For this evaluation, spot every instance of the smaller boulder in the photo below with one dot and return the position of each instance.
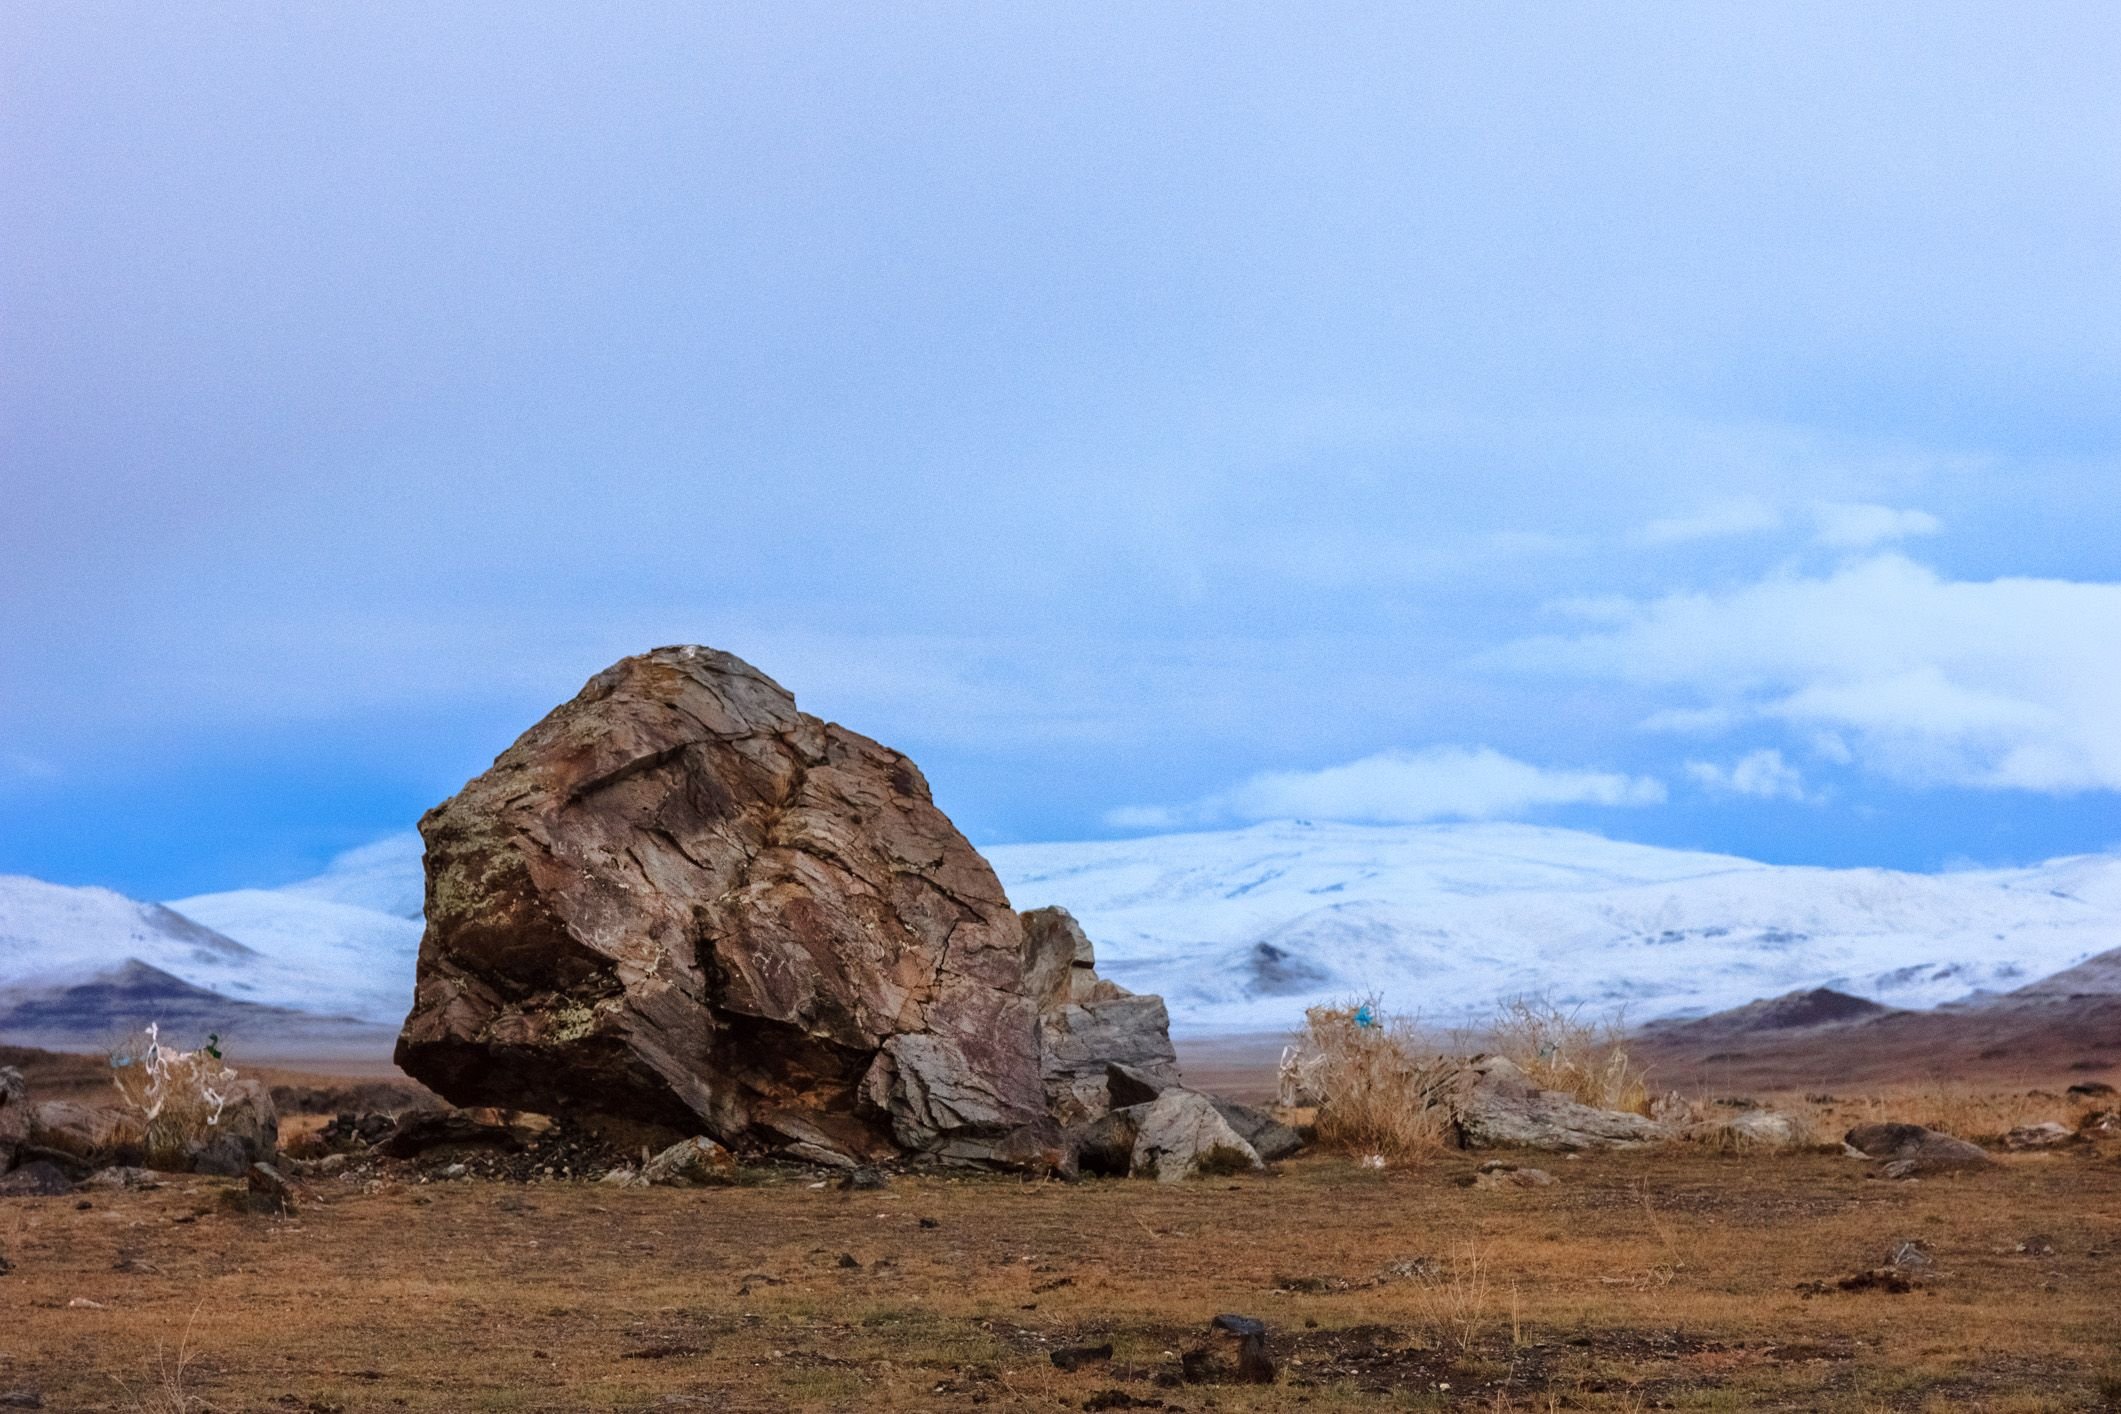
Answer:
(1909, 1150)
(1498, 1107)
(85, 1136)
(13, 1088)
(1268, 1136)
(247, 1133)
(1131, 1085)
(1183, 1136)
(1497, 1175)
(2038, 1136)
(1038, 1148)
(39, 1178)
(2090, 1090)
(691, 1163)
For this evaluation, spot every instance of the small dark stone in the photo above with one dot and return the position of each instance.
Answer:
(21, 1399)
(1074, 1357)
(930, 1223)
(863, 1178)
(848, 1262)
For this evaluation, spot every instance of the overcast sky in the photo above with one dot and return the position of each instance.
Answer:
(1695, 423)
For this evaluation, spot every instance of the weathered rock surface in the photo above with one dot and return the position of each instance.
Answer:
(2046, 1135)
(1183, 1135)
(1268, 1136)
(247, 1134)
(680, 900)
(1911, 1150)
(81, 1137)
(1499, 1108)
(1749, 1129)
(691, 1163)
(1087, 1025)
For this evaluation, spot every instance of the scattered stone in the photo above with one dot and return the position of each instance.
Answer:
(1911, 1255)
(82, 1303)
(2100, 1123)
(1884, 1279)
(5, 1265)
(2038, 1136)
(1071, 1358)
(266, 1192)
(930, 1224)
(39, 1178)
(1510, 1176)
(13, 1088)
(120, 1176)
(1498, 1107)
(863, 1179)
(1911, 1150)
(1244, 1340)
(2036, 1246)
(349, 1132)
(849, 1262)
(2090, 1089)
(691, 1163)
(1119, 1399)
(1183, 1135)
(21, 1399)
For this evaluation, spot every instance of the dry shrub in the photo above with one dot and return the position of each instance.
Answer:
(1458, 1300)
(1557, 1050)
(1981, 1117)
(180, 1094)
(1380, 1089)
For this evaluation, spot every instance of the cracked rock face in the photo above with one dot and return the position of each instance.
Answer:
(680, 901)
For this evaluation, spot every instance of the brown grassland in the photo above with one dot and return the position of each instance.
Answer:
(1669, 1278)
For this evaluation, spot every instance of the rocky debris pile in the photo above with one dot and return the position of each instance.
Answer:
(681, 902)
(1171, 1133)
(76, 1140)
(1910, 1151)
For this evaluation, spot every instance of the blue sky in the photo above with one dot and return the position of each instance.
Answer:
(1692, 423)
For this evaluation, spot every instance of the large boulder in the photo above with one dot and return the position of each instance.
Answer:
(679, 900)
(1182, 1134)
(1498, 1107)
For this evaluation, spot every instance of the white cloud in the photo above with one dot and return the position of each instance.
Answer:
(1402, 787)
(2008, 683)
(1716, 522)
(1759, 773)
(1844, 525)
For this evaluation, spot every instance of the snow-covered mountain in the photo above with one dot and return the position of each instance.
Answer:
(1242, 929)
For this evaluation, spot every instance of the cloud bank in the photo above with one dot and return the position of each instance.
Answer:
(1999, 684)
(1401, 787)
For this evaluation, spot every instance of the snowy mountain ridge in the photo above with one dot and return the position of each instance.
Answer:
(1242, 929)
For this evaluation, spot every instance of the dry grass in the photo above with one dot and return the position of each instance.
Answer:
(1654, 1279)
(1381, 1088)
(177, 1093)
(1558, 1050)
(1980, 1116)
